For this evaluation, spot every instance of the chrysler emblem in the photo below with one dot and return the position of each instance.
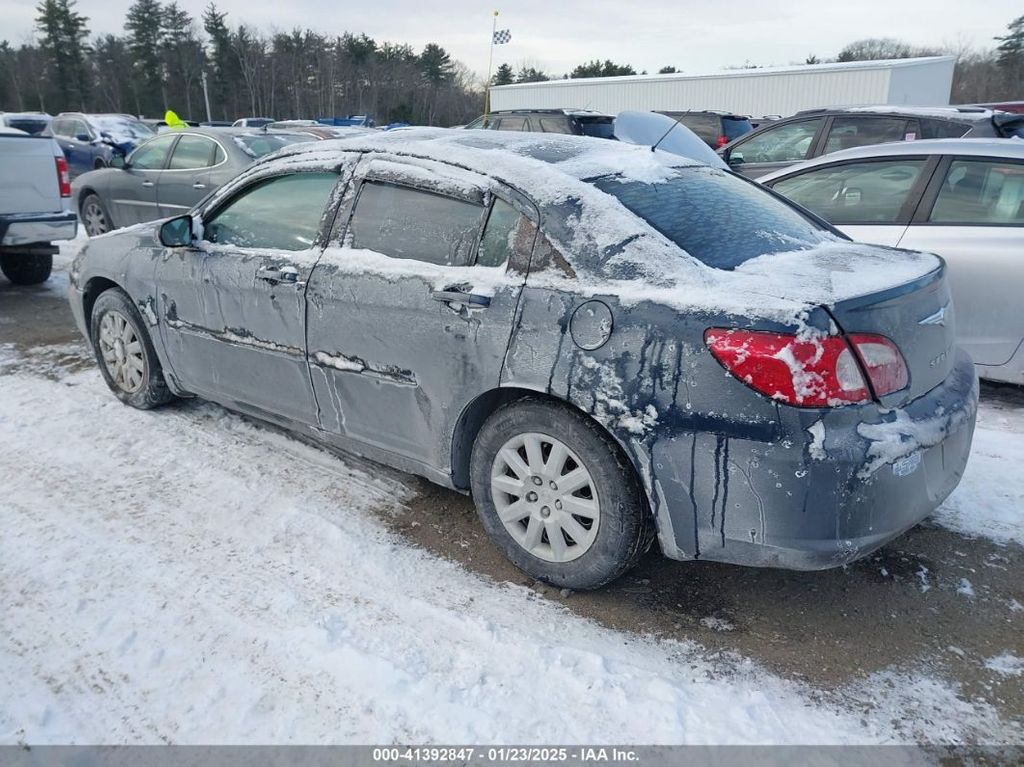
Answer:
(939, 318)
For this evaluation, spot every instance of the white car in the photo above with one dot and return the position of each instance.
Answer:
(962, 199)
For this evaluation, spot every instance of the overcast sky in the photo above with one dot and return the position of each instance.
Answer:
(555, 35)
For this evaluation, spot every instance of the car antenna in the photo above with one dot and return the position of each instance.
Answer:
(671, 128)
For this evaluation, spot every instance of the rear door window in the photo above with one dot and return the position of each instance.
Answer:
(60, 127)
(512, 123)
(403, 222)
(981, 193)
(780, 143)
(849, 132)
(282, 213)
(496, 243)
(192, 152)
(943, 129)
(855, 193)
(554, 125)
(598, 127)
(705, 126)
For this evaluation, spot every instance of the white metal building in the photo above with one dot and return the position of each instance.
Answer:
(768, 91)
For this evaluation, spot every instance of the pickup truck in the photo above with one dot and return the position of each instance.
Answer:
(35, 205)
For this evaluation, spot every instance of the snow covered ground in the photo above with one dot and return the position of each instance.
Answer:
(185, 576)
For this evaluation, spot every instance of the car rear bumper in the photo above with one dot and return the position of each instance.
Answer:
(29, 228)
(836, 486)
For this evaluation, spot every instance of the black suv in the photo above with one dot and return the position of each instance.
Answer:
(579, 122)
(816, 132)
(715, 128)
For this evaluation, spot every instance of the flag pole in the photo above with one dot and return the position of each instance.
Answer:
(490, 64)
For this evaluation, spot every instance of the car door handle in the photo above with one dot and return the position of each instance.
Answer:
(471, 300)
(147, 183)
(198, 185)
(287, 274)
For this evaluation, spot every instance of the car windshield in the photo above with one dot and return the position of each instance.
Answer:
(257, 145)
(715, 216)
(122, 130)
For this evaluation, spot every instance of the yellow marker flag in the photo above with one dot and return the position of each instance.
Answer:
(173, 121)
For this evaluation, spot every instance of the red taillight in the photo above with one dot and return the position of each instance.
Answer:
(63, 177)
(811, 372)
(722, 141)
(883, 362)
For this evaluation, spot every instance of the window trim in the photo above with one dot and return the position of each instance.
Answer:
(910, 206)
(931, 194)
(324, 229)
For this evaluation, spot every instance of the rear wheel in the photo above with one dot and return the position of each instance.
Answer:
(558, 496)
(125, 352)
(99, 164)
(94, 216)
(26, 268)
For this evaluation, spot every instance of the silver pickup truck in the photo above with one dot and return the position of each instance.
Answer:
(35, 205)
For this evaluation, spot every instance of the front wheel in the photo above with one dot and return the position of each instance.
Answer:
(26, 268)
(558, 496)
(94, 216)
(125, 352)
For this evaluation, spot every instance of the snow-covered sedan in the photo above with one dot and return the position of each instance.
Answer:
(603, 344)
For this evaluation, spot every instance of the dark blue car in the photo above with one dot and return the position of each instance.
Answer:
(90, 140)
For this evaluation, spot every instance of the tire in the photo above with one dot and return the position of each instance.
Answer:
(26, 268)
(611, 500)
(94, 214)
(124, 352)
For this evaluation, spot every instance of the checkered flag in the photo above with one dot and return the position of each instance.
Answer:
(502, 36)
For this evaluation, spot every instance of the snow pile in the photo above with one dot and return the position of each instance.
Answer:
(1006, 664)
(988, 502)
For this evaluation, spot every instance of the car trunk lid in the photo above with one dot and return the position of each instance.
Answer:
(918, 317)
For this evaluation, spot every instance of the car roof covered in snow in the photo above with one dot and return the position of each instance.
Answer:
(611, 251)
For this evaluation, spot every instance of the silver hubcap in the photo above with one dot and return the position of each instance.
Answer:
(545, 497)
(95, 221)
(122, 352)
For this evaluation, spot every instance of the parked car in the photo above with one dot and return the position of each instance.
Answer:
(169, 174)
(715, 128)
(216, 124)
(252, 122)
(815, 132)
(91, 141)
(32, 123)
(579, 122)
(35, 205)
(599, 347)
(962, 199)
(1017, 107)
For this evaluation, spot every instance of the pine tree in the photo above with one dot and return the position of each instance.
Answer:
(1011, 47)
(62, 39)
(221, 57)
(182, 54)
(503, 75)
(530, 75)
(143, 25)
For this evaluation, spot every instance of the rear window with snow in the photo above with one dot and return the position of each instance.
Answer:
(716, 217)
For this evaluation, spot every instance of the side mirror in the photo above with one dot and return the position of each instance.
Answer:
(117, 161)
(85, 137)
(176, 233)
(852, 196)
(734, 158)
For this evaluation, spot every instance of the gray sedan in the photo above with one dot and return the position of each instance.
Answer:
(169, 174)
(960, 198)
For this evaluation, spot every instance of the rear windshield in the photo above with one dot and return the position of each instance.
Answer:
(599, 127)
(715, 217)
(122, 129)
(32, 125)
(257, 145)
(734, 127)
